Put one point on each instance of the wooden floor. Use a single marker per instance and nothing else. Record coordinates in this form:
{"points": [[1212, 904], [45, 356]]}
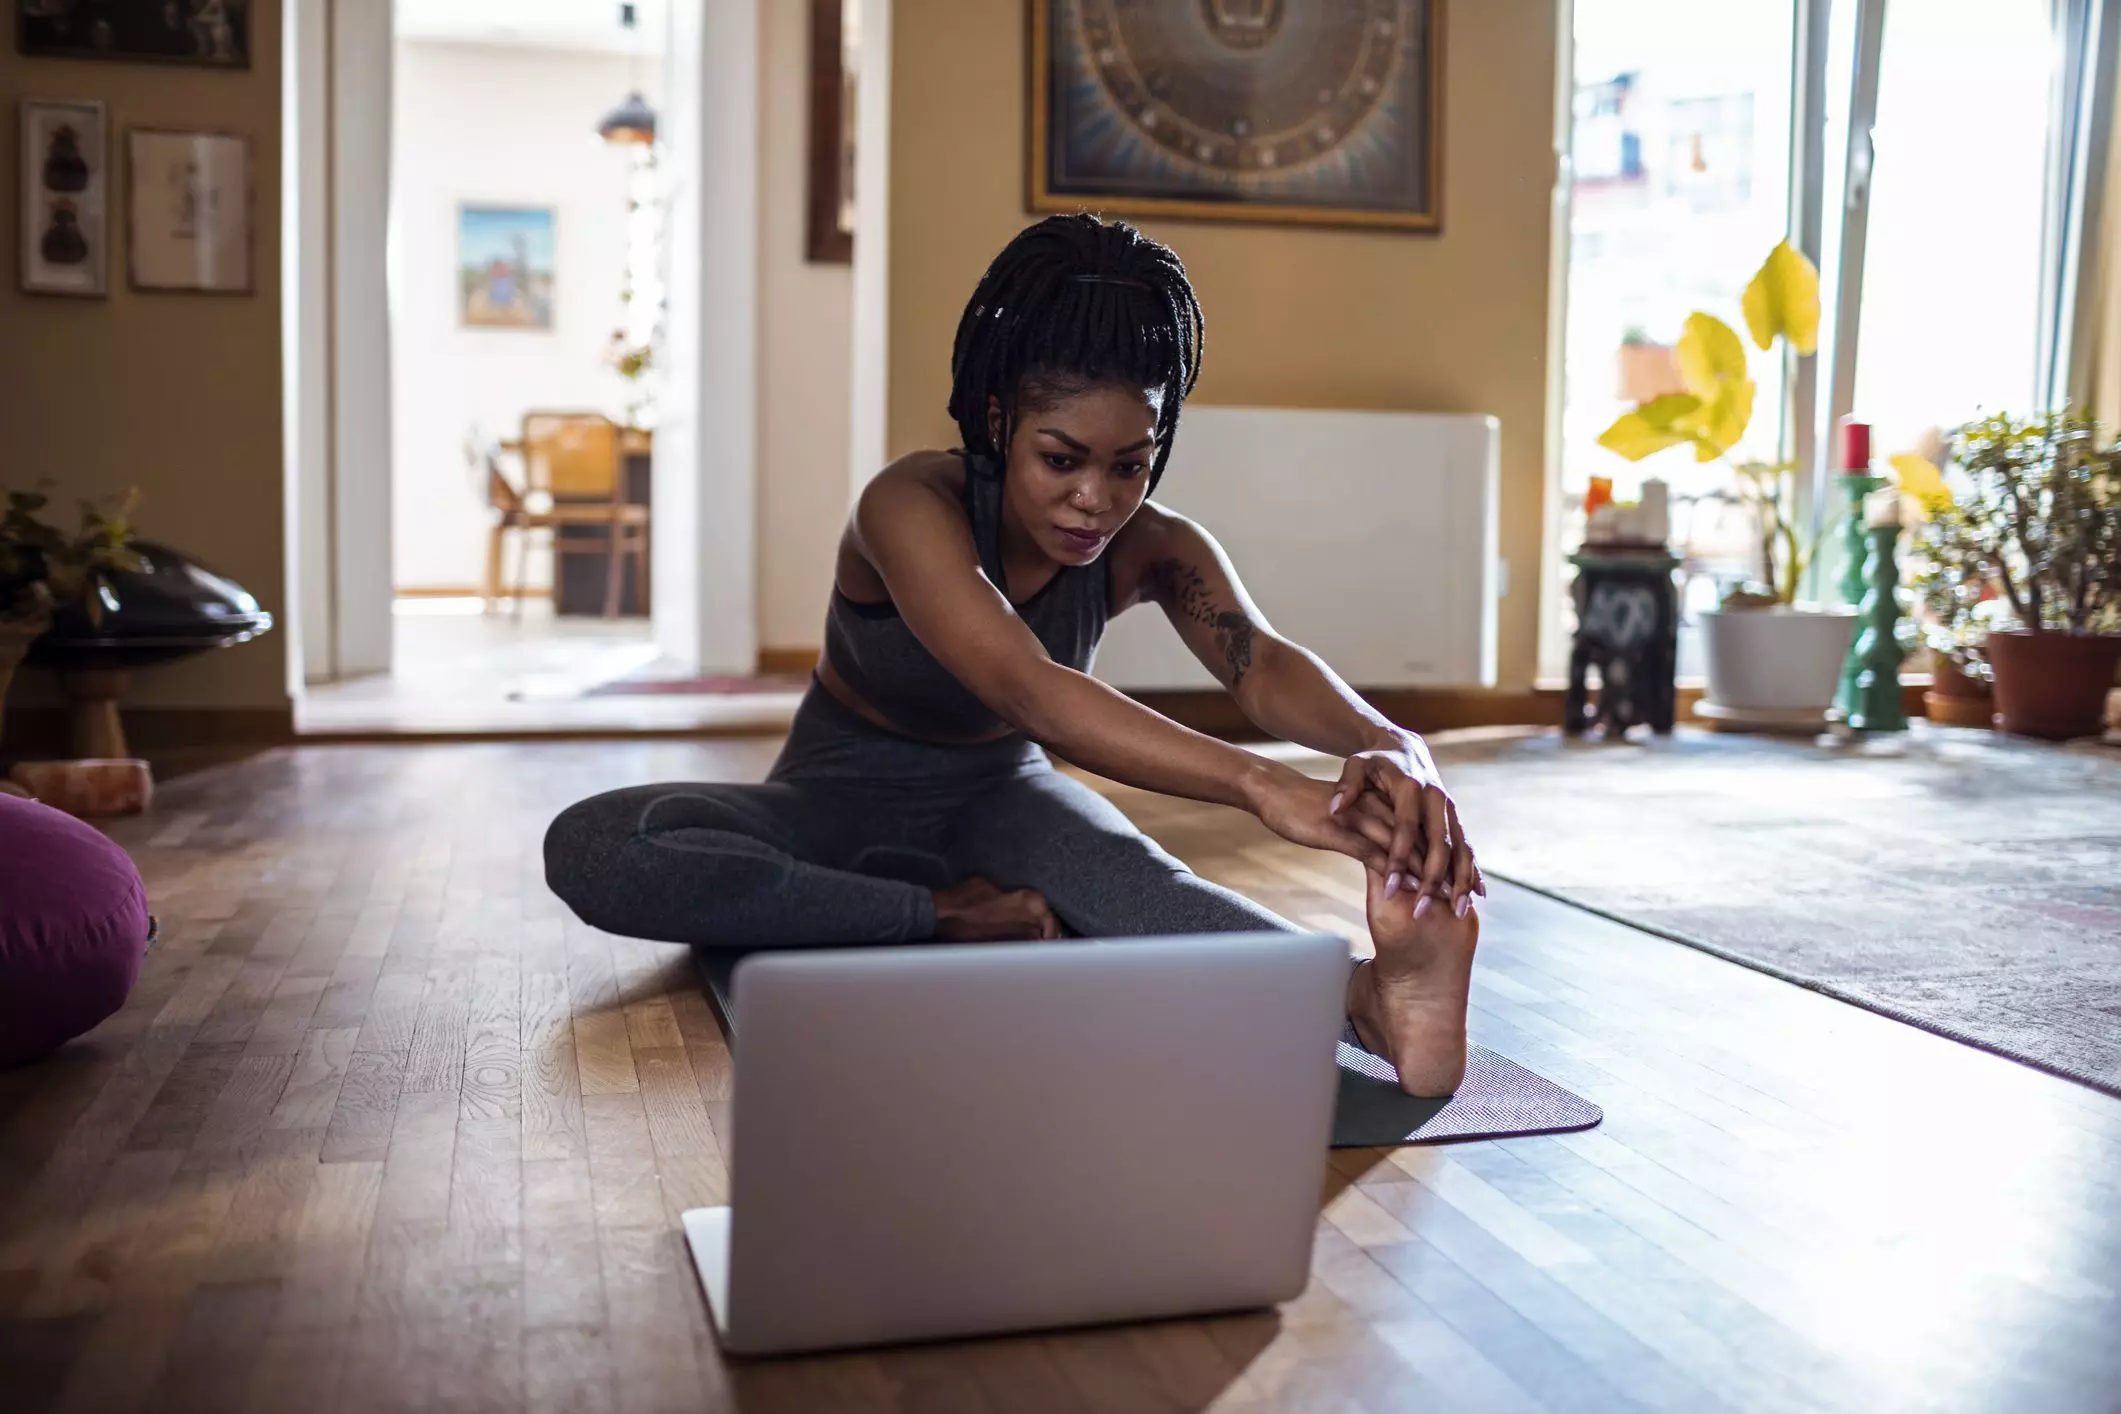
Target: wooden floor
{"points": [[383, 1129]]}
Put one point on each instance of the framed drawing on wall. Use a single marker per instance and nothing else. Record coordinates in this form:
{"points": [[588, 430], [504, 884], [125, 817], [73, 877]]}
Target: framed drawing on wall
{"points": [[65, 194], [835, 41], [1322, 113], [188, 212], [505, 267], [213, 33]]}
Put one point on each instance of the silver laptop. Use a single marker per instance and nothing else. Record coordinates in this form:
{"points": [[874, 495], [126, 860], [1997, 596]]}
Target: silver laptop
{"points": [[965, 1140]]}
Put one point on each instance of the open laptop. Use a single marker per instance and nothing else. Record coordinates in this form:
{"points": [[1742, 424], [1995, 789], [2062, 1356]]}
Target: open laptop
{"points": [[966, 1140]]}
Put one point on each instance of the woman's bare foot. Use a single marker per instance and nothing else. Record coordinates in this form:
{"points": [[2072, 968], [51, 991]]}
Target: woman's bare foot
{"points": [[1409, 1004], [974, 911]]}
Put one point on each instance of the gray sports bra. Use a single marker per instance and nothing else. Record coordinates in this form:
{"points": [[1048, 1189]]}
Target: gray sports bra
{"points": [[877, 655]]}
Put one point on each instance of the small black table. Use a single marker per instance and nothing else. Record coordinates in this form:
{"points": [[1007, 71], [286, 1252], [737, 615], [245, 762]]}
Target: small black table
{"points": [[1627, 627]]}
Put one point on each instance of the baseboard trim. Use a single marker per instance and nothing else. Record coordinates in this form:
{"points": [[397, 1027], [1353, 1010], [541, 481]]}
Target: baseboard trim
{"points": [[159, 735], [1417, 709], [465, 591], [780, 662], [1434, 709]]}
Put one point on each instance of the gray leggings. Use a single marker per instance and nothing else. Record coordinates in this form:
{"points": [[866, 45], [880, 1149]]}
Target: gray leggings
{"points": [[852, 828]]}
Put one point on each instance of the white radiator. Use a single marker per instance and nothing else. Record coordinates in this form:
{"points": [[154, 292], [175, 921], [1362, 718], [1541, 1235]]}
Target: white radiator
{"points": [[1367, 537]]}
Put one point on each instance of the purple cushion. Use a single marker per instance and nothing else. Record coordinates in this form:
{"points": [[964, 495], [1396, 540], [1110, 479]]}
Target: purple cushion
{"points": [[73, 928]]}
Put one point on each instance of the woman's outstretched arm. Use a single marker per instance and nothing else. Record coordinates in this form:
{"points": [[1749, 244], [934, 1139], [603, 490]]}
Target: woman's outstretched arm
{"points": [[1287, 691], [916, 538]]}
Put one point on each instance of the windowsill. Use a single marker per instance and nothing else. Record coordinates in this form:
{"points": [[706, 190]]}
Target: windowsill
{"points": [[1557, 686]]}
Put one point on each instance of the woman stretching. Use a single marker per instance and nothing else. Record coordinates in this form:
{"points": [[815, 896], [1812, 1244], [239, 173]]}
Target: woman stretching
{"points": [[915, 799]]}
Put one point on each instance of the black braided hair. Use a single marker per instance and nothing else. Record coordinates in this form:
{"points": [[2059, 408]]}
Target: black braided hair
{"points": [[1070, 304]]}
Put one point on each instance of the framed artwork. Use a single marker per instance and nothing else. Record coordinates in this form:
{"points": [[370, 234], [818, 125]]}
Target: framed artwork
{"points": [[505, 267], [188, 212], [1324, 113], [213, 33], [65, 195], [835, 43]]}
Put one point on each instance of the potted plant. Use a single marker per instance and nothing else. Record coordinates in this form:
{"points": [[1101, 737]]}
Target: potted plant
{"points": [[1644, 368], [1772, 662], [2021, 567], [635, 363], [43, 568], [1956, 605]]}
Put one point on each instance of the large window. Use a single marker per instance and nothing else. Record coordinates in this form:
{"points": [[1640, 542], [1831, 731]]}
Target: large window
{"points": [[1681, 183], [1950, 318], [1682, 178]]}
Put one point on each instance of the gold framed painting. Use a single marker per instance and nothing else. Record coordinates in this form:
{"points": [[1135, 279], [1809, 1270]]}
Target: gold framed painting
{"points": [[1278, 111]]}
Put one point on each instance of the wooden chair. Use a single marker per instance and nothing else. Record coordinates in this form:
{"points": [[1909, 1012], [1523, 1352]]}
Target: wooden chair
{"points": [[576, 460], [509, 512]]}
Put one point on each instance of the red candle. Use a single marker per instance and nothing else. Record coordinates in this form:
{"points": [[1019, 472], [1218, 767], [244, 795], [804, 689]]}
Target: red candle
{"points": [[1855, 447]]}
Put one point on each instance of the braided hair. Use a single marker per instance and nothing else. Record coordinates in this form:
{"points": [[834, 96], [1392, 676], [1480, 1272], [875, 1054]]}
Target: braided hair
{"points": [[1072, 303]]}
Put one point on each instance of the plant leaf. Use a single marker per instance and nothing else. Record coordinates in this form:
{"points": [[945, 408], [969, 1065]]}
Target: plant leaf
{"points": [[1708, 354], [1783, 298], [1718, 424], [1649, 429], [1920, 479]]}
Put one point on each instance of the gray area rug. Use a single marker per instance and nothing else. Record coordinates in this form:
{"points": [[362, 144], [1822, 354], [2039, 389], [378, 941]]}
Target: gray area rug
{"points": [[1962, 881]]}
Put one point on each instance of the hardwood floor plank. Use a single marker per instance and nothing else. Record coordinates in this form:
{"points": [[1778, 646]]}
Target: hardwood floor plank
{"points": [[439, 1036], [648, 1285], [551, 1077], [366, 1108], [312, 1092], [393, 1010], [180, 1107], [604, 1053], [212, 1360], [122, 1358], [622, 1167]]}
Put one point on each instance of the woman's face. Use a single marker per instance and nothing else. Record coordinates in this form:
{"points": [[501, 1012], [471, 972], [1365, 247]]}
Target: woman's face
{"points": [[1078, 469]]}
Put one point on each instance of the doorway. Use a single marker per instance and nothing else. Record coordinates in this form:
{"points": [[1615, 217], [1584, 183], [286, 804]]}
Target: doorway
{"points": [[488, 386]]}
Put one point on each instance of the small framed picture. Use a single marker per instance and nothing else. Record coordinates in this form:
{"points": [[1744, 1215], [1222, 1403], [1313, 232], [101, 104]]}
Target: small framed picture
{"points": [[211, 33], [505, 267], [188, 212], [65, 194]]}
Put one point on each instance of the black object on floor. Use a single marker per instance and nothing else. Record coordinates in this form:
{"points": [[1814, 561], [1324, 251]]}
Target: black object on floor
{"points": [[1498, 1099]]}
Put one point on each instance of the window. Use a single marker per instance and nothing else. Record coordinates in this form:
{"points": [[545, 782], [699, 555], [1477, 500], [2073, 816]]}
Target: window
{"points": [[1682, 178]]}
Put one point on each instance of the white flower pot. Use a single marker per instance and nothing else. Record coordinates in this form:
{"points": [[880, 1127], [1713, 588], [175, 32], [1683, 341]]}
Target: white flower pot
{"points": [[1778, 666]]}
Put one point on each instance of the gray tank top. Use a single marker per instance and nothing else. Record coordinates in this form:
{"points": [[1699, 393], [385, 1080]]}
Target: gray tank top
{"points": [[877, 655]]}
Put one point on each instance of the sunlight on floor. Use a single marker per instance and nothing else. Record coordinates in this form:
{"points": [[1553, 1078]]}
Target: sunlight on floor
{"points": [[459, 669]]}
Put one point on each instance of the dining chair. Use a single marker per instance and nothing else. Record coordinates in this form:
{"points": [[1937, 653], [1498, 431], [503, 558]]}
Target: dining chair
{"points": [[576, 458]]}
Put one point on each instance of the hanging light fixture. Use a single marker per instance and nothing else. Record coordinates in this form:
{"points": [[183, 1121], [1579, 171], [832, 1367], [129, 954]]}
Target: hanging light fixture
{"points": [[633, 121]]}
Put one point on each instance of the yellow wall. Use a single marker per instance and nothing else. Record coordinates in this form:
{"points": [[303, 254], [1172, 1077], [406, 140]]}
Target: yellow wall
{"points": [[1295, 318], [176, 394], [806, 324]]}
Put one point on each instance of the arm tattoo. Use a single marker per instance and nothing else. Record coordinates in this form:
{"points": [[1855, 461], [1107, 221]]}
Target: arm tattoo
{"points": [[1180, 585]]}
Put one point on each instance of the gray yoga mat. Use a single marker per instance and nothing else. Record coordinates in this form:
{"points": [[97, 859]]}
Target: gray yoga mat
{"points": [[1498, 1099]]}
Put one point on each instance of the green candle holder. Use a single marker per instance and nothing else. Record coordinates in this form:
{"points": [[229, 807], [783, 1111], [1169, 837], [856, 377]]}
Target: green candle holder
{"points": [[1876, 655], [1855, 550]]}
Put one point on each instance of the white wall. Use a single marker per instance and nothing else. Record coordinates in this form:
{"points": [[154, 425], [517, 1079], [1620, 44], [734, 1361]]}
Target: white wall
{"points": [[496, 125], [806, 319]]}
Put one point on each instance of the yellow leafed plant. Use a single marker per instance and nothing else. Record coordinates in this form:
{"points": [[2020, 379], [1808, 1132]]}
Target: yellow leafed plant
{"points": [[1781, 301], [1783, 298]]}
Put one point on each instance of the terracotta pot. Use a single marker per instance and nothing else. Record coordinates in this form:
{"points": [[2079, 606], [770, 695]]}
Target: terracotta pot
{"points": [[15, 639], [1646, 371], [2053, 685], [1957, 698]]}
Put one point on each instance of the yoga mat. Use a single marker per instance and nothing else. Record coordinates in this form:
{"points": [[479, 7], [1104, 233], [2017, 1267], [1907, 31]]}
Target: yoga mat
{"points": [[1498, 1099]]}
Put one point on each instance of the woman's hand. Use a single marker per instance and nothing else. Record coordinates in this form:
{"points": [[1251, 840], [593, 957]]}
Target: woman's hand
{"points": [[1299, 809], [1403, 777]]}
